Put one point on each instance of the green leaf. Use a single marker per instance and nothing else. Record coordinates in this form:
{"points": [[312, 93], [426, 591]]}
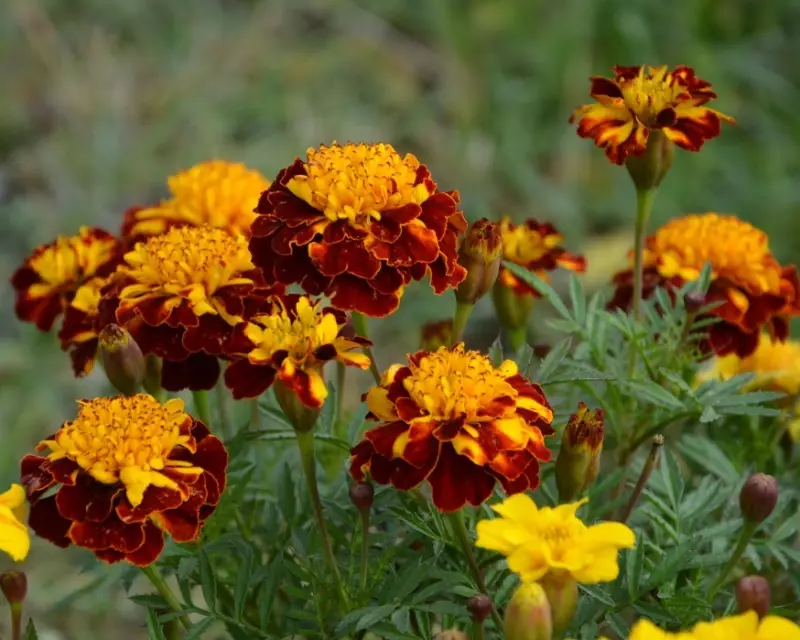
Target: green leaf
{"points": [[208, 581], [243, 576], [496, 352], [199, 629], [30, 631], [154, 628], [327, 416], [372, 615], [287, 501], [673, 480], [709, 456], [634, 564], [356, 424], [269, 590], [541, 286], [553, 359], [653, 393], [578, 299], [788, 527]]}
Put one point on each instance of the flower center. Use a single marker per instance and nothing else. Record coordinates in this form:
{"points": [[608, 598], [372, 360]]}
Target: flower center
{"points": [[523, 245], [217, 193], [356, 182], [191, 263], [69, 260], [736, 250], [113, 436], [650, 92], [450, 384], [298, 334]]}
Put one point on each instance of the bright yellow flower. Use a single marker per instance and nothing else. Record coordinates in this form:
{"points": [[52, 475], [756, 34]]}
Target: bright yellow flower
{"points": [[14, 537], [746, 626], [217, 193], [538, 541]]}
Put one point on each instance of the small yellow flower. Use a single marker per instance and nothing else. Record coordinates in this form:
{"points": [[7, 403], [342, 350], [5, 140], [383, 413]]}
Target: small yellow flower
{"points": [[554, 540], [14, 537], [739, 627]]}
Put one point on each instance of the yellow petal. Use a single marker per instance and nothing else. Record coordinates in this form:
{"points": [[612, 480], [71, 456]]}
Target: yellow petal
{"points": [[136, 481], [14, 497], [531, 562], [611, 534], [501, 535], [378, 403], [777, 628], [14, 537]]}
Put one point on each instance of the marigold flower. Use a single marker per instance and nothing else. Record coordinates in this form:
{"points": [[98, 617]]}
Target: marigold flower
{"points": [[180, 294], [78, 334], [50, 277], [217, 193], [450, 417], [756, 292], [292, 342], [745, 626], [643, 99], [539, 541], [537, 247], [14, 537], [125, 471], [358, 223]]}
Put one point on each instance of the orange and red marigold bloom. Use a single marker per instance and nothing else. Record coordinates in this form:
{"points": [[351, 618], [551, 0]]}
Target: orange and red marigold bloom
{"points": [[123, 473], [217, 193], [642, 99], [358, 223], [291, 342], [180, 295], [756, 293], [79, 330], [537, 247], [450, 417], [50, 277]]}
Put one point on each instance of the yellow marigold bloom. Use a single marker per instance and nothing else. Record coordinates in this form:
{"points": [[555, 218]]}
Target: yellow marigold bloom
{"points": [[217, 193], [644, 99], [14, 537], [739, 627], [292, 343], [539, 541], [755, 290]]}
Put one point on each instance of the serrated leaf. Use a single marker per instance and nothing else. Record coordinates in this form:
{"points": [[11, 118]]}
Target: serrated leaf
{"points": [[709, 456], [495, 352], [208, 581], [673, 480], [373, 615], [787, 528], [154, 629], [30, 631], [553, 359], [709, 415], [199, 629], [356, 424], [327, 416], [578, 299], [243, 576], [598, 593], [634, 564], [287, 501], [653, 393], [541, 286], [269, 589]]}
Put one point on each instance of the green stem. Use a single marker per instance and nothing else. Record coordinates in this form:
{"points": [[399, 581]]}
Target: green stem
{"points": [[16, 620], [644, 205], [463, 312], [517, 336], [201, 407], [644, 476], [360, 325], [155, 577], [341, 376], [477, 630], [255, 415], [461, 534], [744, 538], [364, 548], [222, 408], [305, 442]]}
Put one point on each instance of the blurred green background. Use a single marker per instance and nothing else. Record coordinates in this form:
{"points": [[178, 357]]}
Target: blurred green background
{"points": [[103, 99]]}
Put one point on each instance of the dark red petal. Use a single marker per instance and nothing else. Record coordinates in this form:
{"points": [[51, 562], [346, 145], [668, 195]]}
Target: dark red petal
{"points": [[155, 499], [246, 380], [87, 499], [182, 524], [456, 481], [153, 545], [198, 372], [110, 534], [33, 476], [46, 522], [349, 293]]}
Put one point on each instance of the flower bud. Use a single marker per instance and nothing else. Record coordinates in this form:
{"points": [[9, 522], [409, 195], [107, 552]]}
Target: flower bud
{"points": [[562, 594], [650, 168], [528, 614], [758, 497], [451, 634], [301, 417], [122, 359], [579, 459], [694, 301], [436, 334], [480, 254], [753, 594], [512, 308], [14, 585], [480, 607], [362, 495]]}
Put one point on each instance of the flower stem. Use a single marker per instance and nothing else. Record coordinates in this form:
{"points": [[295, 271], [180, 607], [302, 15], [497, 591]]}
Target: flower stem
{"points": [[305, 442], [364, 548], [517, 336], [255, 415], [341, 376], [744, 538], [155, 577], [460, 533], [360, 325], [644, 205], [201, 407], [644, 476], [16, 620], [222, 408], [477, 630], [463, 312]]}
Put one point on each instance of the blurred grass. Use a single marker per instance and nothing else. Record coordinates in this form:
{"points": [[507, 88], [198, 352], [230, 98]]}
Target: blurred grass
{"points": [[103, 99]]}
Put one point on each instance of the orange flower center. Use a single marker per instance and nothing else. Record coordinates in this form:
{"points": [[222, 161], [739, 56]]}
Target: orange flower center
{"points": [[356, 182], [450, 384], [69, 260], [188, 263], [736, 250], [650, 92], [523, 245], [124, 439], [216, 193]]}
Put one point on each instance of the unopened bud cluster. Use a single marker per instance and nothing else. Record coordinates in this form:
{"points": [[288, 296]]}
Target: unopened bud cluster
{"points": [[578, 461]]}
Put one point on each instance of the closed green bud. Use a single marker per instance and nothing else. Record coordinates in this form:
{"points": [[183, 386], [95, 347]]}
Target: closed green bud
{"points": [[122, 359], [480, 254], [579, 458], [562, 594], [528, 615], [650, 168], [302, 417]]}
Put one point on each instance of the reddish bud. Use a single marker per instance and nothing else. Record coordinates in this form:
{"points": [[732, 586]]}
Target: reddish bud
{"points": [[528, 614], [362, 495], [480, 607], [480, 254], [758, 497], [436, 334], [753, 594], [14, 585], [579, 459], [122, 359], [694, 301]]}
